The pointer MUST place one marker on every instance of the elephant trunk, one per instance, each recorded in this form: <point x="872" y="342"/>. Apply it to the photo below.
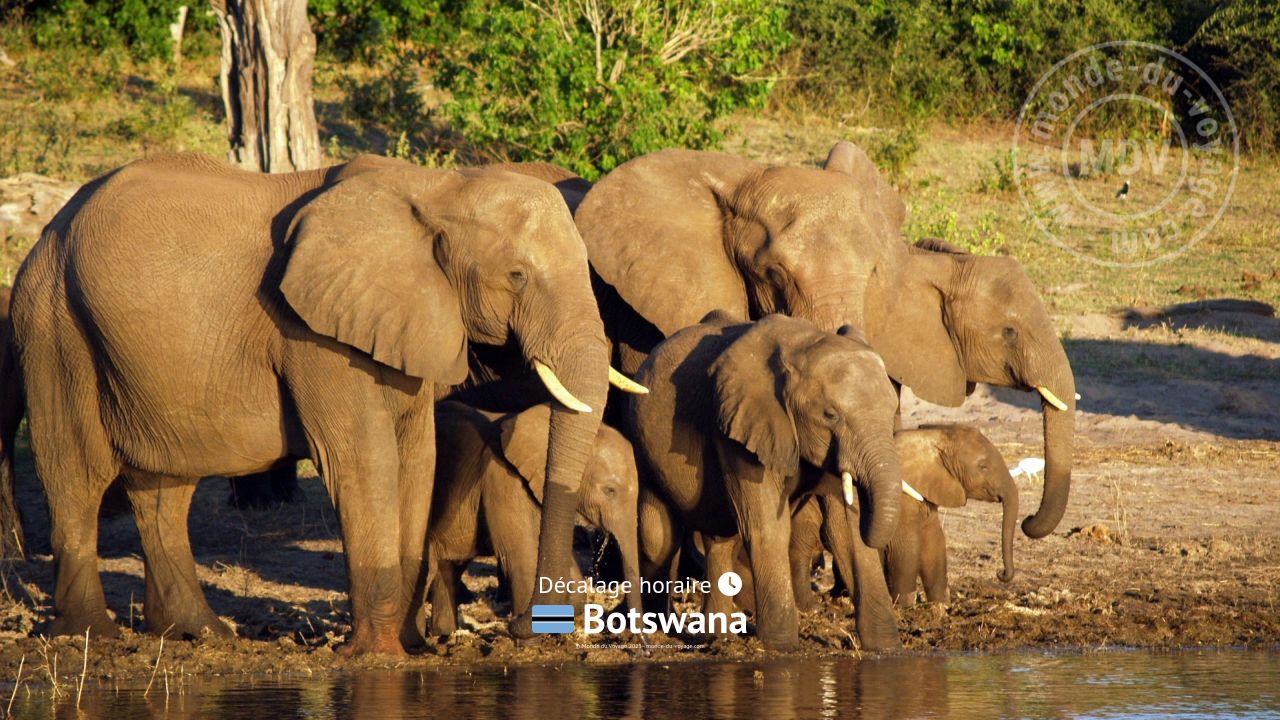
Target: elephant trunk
<point x="571" y="345"/>
<point x="1008" y="494"/>
<point x="1059" y="429"/>
<point x="880" y="482"/>
<point x="624" y="530"/>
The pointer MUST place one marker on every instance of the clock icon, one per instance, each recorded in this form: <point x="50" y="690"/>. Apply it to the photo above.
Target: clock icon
<point x="730" y="584"/>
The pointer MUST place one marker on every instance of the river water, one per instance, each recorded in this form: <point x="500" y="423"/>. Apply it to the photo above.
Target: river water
<point x="1234" y="684"/>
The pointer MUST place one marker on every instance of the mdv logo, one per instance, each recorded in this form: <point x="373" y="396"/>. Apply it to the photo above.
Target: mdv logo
<point x="553" y="619"/>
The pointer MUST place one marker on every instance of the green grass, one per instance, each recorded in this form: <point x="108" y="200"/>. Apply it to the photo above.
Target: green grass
<point x="73" y="114"/>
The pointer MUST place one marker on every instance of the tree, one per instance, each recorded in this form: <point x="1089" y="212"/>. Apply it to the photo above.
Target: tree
<point x="267" y="54"/>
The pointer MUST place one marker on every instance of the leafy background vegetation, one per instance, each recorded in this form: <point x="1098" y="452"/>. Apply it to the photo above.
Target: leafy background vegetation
<point x="590" y="83"/>
<point x="928" y="87"/>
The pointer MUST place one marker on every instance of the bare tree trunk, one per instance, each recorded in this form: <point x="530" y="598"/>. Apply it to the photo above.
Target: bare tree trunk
<point x="267" y="54"/>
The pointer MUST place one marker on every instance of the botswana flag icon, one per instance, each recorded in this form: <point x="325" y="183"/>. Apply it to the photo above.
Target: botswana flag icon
<point x="553" y="619"/>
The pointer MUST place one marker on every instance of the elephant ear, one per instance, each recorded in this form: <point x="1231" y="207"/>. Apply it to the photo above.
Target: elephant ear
<point x="940" y="488"/>
<point x="915" y="342"/>
<point x="749" y="383"/>
<point x="362" y="269"/>
<point x="654" y="230"/>
<point x="523" y="441"/>
<point x="945" y="487"/>
<point x="849" y="159"/>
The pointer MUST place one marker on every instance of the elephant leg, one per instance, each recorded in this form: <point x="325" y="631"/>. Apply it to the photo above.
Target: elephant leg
<point x="174" y="603"/>
<point x="806" y="529"/>
<point x="659" y="568"/>
<point x="763" y="514"/>
<point x="660" y="539"/>
<point x="746" y="600"/>
<point x="902" y="567"/>
<point x="767" y="536"/>
<point x="444" y="597"/>
<point x="863" y="570"/>
<point x="721" y="552"/>
<point x="518" y="559"/>
<point x="417" y="455"/>
<point x="75" y="471"/>
<point x="933" y="561"/>
<point x="353" y="443"/>
<point x="78" y="598"/>
<point x="764" y="521"/>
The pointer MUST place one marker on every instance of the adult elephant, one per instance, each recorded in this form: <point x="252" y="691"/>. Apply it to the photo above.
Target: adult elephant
<point x="678" y="233"/>
<point x="181" y="318"/>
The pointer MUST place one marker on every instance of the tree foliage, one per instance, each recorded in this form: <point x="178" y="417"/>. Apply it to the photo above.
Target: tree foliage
<point x="591" y="83"/>
<point x="141" y="26"/>
<point x="1239" y="47"/>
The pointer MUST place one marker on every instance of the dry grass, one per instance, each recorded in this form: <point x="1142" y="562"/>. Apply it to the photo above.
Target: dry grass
<point x="74" y="115"/>
<point x="952" y="183"/>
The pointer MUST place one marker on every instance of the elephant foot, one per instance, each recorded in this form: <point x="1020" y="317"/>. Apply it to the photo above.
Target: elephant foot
<point x="412" y="641"/>
<point x="879" y="640"/>
<point x="98" y="624"/>
<point x="521" y="626"/>
<point x="806" y="600"/>
<point x="371" y="643"/>
<point x="193" y="625"/>
<point x="444" y="625"/>
<point x="781" y="642"/>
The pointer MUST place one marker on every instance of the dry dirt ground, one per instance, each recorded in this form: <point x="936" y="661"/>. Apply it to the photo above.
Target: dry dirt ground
<point x="1171" y="539"/>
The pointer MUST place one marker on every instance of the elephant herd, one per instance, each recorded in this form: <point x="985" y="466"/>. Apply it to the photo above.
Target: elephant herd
<point x="441" y="344"/>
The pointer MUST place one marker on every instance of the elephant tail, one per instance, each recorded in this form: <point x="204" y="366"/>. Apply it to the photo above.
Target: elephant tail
<point x="12" y="405"/>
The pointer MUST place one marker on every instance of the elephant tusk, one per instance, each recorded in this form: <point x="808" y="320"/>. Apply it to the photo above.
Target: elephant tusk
<point x="915" y="494"/>
<point x="626" y="384"/>
<point x="557" y="388"/>
<point x="846" y="483"/>
<point x="1051" y="398"/>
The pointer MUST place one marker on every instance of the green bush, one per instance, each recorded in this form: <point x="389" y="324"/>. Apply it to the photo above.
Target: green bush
<point x="589" y="85"/>
<point x="141" y="26"/>
<point x="892" y="154"/>
<point x="1238" y="45"/>
<point x="372" y="29"/>
<point x="926" y="58"/>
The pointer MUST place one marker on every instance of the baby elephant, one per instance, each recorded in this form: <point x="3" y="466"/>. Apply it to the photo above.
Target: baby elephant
<point x="947" y="465"/>
<point x="490" y="471"/>
<point x="740" y="422"/>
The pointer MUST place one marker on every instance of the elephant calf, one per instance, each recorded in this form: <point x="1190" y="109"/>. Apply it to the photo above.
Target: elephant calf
<point x="942" y="466"/>
<point x="488" y="498"/>
<point x="735" y="414"/>
<point x="947" y="465"/>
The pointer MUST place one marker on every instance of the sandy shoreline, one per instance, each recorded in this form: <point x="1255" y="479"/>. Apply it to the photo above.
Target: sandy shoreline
<point x="1171" y="540"/>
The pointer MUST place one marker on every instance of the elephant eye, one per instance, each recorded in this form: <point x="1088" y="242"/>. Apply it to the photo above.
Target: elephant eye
<point x="517" y="278"/>
<point x="776" y="275"/>
<point x="610" y="491"/>
<point x="1010" y="334"/>
<point x="830" y="415"/>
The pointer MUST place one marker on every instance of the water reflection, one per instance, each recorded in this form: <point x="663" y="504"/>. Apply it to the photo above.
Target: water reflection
<point x="1229" y="684"/>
